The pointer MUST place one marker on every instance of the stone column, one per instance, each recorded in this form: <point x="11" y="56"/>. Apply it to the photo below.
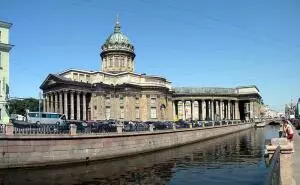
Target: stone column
<point x="196" y="110"/>
<point x="199" y="110"/>
<point x="237" y="112"/>
<point x="229" y="109"/>
<point x="212" y="110"/>
<point x="251" y="109"/>
<point x="9" y="129"/>
<point x="84" y="106"/>
<point x="78" y="106"/>
<point x="203" y="110"/>
<point x="217" y="110"/>
<point x="55" y="102"/>
<point x="66" y="111"/>
<point x="44" y="103"/>
<point x="50" y="103"/>
<point x="209" y="109"/>
<point x="192" y="110"/>
<point x="61" y="109"/>
<point x="221" y="109"/>
<point x="73" y="129"/>
<point x="183" y="110"/>
<point x="233" y="110"/>
<point x="226" y="110"/>
<point x="174" y="110"/>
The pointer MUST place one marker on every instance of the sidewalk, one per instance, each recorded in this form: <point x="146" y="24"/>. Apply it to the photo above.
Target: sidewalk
<point x="296" y="157"/>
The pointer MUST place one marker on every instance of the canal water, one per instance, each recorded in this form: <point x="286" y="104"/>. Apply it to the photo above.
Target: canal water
<point x="236" y="159"/>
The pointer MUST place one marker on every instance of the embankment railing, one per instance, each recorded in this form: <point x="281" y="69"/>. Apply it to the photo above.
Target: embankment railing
<point x="43" y="129"/>
<point x="273" y="177"/>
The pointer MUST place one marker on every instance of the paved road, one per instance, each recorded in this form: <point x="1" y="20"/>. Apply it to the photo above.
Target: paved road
<point x="296" y="157"/>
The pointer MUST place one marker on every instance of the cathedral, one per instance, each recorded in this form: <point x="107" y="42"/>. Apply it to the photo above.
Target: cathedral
<point x="117" y="92"/>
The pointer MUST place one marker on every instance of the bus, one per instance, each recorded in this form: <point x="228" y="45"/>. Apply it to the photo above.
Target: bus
<point x="45" y="118"/>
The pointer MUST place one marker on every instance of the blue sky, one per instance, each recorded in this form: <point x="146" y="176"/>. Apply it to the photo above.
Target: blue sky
<point x="191" y="43"/>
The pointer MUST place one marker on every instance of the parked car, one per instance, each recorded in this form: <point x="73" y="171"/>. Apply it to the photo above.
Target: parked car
<point x="296" y="123"/>
<point x="181" y="124"/>
<point x="82" y="126"/>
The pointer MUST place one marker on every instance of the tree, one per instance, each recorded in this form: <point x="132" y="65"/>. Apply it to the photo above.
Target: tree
<point x="19" y="106"/>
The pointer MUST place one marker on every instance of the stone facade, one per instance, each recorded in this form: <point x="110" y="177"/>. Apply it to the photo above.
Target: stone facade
<point x="240" y="103"/>
<point x="5" y="47"/>
<point x="116" y="92"/>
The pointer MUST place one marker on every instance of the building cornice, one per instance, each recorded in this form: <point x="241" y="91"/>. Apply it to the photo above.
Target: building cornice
<point x="5" y="24"/>
<point x="5" y="47"/>
<point x="113" y="74"/>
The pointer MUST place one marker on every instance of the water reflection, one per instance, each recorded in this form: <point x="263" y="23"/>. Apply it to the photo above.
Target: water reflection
<point x="233" y="159"/>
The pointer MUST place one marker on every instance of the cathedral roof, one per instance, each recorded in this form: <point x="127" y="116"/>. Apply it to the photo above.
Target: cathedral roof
<point x="118" y="40"/>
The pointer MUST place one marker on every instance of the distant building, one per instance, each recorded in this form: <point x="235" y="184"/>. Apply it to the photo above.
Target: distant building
<point x="290" y="110"/>
<point x="5" y="47"/>
<point x="297" y="111"/>
<point x="270" y="113"/>
<point x="117" y="92"/>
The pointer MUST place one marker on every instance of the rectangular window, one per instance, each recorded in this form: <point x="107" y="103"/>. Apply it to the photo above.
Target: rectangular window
<point x="153" y="101"/>
<point x="137" y="100"/>
<point x="137" y="112"/>
<point x="75" y="76"/>
<point x="4" y="85"/>
<point x="0" y="37"/>
<point x="88" y="78"/>
<point x="0" y="61"/>
<point x="121" y="100"/>
<point x="107" y="100"/>
<point x="153" y="113"/>
<point x="122" y="113"/>
<point x="0" y="114"/>
<point x="81" y="77"/>
<point x="107" y="113"/>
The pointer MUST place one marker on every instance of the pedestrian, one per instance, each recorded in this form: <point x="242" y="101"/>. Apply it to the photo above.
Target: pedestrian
<point x="281" y="133"/>
<point x="289" y="133"/>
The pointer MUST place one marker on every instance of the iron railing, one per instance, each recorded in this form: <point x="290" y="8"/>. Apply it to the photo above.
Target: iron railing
<point x="136" y="127"/>
<point x="98" y="128"/>
<point x="273" y="177"/>
<point x="39" y="130"/>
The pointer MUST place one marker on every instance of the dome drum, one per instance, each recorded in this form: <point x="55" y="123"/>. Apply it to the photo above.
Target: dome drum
<point x="117" y="52"/>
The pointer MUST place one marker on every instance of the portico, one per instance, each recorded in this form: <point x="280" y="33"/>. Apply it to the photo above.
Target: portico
<point x="61" y="101"/>
<point x="214" y="104"/>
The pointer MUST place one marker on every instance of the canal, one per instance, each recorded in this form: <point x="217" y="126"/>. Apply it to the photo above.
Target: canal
<point x="234" y="159"/>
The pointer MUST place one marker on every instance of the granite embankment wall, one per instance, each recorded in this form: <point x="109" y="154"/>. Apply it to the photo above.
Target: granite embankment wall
<point x="34" y="150"/>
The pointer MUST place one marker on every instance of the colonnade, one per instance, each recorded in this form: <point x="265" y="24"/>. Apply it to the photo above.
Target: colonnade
<point x="64" y="102"/>
<point x="206" y="109"/>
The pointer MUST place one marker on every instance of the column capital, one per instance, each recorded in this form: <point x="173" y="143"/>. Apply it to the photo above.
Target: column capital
<point x="84" y="92"/>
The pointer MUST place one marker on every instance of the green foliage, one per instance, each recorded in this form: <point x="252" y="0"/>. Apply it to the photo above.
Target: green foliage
<point x="20" y="106"/>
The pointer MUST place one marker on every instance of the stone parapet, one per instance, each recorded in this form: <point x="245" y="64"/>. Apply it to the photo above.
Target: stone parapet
<point x="35" y="150"/>
<point x="285" y="159"/>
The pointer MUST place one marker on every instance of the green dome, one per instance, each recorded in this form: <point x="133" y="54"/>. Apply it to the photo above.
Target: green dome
<point x="118" y="38"/>
<point x="118" y="41"/>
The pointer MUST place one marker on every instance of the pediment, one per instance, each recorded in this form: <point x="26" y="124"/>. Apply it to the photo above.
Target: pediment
<point x="51" y="82"/>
